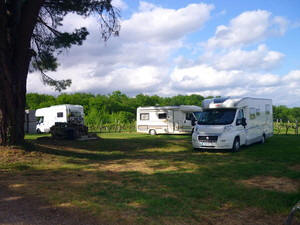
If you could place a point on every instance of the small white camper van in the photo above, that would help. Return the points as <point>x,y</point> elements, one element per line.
<point>47,117</point>
<point>228,123</point>
<point>166,119</point>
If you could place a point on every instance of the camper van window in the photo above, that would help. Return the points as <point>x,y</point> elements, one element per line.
<point>216,117</point>
<point>268,109</point>
<point>252,113</point>
<point>162,115</point>
<point>144,116</point>
<point>60,114</point>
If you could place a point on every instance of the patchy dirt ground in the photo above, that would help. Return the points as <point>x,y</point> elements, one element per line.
<point>281,184</point>
<point>16,209</point>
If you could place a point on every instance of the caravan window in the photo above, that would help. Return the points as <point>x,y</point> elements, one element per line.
<point>144,116</point>
<point>252,113</point>
<point>162,115</point>
<point>60,114</point>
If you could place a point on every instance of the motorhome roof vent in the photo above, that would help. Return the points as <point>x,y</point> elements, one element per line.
<point>220,100</point>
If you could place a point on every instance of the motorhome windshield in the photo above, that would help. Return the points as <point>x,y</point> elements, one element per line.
<point>197,115</point>
<point>75,114</point>
<point>40,119</point>
<point>216,117</point>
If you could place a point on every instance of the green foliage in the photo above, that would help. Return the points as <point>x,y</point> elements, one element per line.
<point>36,101</point>
<point>118,108</point>
<point>283,113</point>
<point>115,108</point>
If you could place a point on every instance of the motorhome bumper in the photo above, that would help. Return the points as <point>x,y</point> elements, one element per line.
<point>211,142</point>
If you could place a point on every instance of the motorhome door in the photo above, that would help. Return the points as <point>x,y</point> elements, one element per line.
<point>187,122</point>
<point>170,121</point>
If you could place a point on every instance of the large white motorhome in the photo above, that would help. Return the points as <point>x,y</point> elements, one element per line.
<point>228,123</point>
<point>166,119</point>
<point>47,117</point>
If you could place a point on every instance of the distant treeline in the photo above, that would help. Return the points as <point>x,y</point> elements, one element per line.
<point>115,108</point>
<point>120,108</point>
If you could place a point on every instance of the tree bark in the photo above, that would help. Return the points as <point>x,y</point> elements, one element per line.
<point>15,56</point>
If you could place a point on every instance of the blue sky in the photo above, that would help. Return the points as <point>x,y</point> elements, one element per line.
<point>228,48</point>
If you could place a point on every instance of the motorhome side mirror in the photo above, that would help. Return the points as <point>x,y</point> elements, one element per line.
<point>193,121</point>
<point>244,123</point>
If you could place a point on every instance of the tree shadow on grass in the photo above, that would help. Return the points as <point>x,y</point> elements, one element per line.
<point>114,148</point>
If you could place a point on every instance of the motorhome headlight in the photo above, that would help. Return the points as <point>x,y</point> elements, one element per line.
<point>227,128</point>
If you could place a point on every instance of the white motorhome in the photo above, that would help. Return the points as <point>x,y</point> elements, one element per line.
<point>228,123</point>
<point>166,119</point>
<point>47,117</point>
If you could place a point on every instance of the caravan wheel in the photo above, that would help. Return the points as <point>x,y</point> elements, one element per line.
<point>152,132</point>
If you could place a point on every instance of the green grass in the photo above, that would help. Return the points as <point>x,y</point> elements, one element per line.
<point>154,179</point>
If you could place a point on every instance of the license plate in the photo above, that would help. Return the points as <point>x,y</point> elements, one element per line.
<point>205,143</point>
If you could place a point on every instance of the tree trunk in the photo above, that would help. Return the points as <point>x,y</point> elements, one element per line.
<point>12,105</point>
<point>15,56</point>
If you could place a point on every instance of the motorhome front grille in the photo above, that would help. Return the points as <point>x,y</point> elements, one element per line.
<point>208,138</point>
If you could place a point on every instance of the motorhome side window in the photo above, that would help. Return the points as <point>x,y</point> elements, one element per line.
<point>268,109</point>
<point>60,114</point>
<point>144,116</point>
<point>162,115</point>
<point>257,112</point>
<point>252,113</point>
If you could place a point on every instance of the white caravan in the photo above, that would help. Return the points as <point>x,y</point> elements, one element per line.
<point>166,119</point>
<point>47,117</point>
<point>228,123</point>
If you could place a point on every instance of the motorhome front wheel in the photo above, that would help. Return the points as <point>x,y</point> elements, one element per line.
<point>236,145</point>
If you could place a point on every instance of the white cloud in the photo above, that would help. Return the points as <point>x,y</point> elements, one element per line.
<point>163,25</point>
<point>207,80</point>
<point>258,59</point>
<point>135,62</point>
<point>138,60</point>
<point>249,27</point>
<point>201,77</point>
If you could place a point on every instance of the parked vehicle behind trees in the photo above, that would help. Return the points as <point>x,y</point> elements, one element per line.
<point>47,117</point>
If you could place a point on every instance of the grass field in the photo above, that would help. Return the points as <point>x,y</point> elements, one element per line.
<point>141,179</point>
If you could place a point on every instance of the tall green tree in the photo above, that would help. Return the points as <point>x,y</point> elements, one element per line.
<point>30,38</point>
